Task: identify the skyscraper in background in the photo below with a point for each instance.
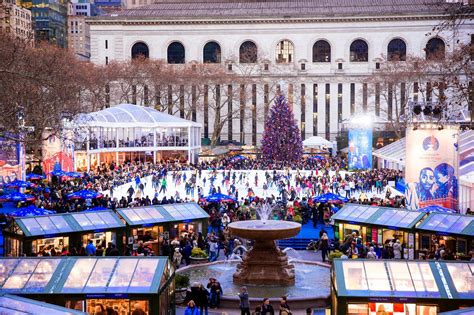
(49, 20)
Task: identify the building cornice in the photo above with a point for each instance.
(111, 20)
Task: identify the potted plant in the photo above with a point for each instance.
(182, 283)
(297, 218)
(198, 256)
(334, 254)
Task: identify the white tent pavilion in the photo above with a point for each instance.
(127, 132)
(317, 142)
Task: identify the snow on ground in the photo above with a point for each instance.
(248, 180)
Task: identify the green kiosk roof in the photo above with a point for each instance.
(162, 213)
(69, 223)
(448, 223)
(400, 278)
(382, 216)
(12, 304)
(84, 275)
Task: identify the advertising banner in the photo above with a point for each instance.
(58, 150)
(431, 168)
(10, 164)
(360, 149)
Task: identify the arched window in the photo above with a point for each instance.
(359, 51)
(212, 53)
(397, 50)
(284, 51)
(140, 50)
(248, 52)
(321, 51)
(176, 53)
(435, 49)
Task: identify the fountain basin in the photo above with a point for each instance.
(264, 230)
(311, 289)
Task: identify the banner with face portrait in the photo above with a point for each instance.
(431, 170)
(10, 163)
(360, 149)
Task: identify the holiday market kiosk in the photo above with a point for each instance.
(93, 284)
(400, 287)
(454, 231)
(33, 235)
(377, 224)
(152, 224)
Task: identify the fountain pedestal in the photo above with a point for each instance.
(265, 263)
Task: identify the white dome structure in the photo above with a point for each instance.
(128, 132)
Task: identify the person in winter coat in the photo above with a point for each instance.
(397, 250)
(324, 246)
(177, 257)
(371, 254)
(267, 308)
(244, 304)
(284, 307)
(191, 309)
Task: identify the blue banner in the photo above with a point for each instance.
(360, 149)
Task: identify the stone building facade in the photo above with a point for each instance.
(315, 51)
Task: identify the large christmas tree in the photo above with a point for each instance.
(281, 138)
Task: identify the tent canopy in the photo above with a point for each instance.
(317, 141)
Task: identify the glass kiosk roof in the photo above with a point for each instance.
(69, 223)
(12, 304)
(448, 223)
(163, 213)
(399, 278)
(83, 275)
(374, 215)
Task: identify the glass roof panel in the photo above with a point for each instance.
(155, 214)
(100, 276)
(6, 266)
(83, 221)
(369, 211)
(422, 277)
(356, 212)
(173, 211)
(354, 275)
(396, 218)
(433, 221)
(462, 276)
(447, 222)
(144, 214)
(386, 215)
(42, 275)
(96, 220)
(409, 218)
(461, 224)
(16, 306)
(109, 219)
(32, 226)
(143, 276)
(400, 276)
(47, 225)
(21, 274)
(346, 211)
(122, 276)
(61, 224)
(79, 274)
(132, 215)
(377, 276)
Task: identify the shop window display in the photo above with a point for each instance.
(121, 306)
(391, 309)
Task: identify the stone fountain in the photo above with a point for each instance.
(265, 263)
